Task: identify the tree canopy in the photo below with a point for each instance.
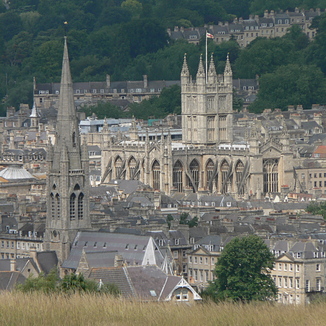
(127, 39)
(71, 283)
(243, 272)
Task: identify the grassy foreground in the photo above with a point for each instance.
(37, 309)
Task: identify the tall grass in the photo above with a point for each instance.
(38, 309)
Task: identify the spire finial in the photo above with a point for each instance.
(185, 69)
(212, 70)
(227, 70)
(65, 24)
(201, 70)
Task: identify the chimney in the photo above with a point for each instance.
(13, 265)
(33, 255)
(108, 81)
(145, 81)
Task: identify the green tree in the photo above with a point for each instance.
(184, 219)
(42, 283)
(142, 36)
(317, 209)
(291, 85)
(19, 48)
(243, 272)
(10, 24)
(169, 218)
(264, 56)
(71, 283)
(297, 36)
(315, 52)
(104, 109)
(133, 6)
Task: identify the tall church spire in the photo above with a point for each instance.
(67, 124)
(68, 175)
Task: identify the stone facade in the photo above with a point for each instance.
(208, 159)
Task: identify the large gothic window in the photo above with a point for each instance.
(118, 167)
(81, 206)
(132, 168)
(194, 171)
(225, 177)
(72, 206)
(58, 204)
(210, 167)
(270, 175)
(238, 177)
(156, 175)
(177, 176)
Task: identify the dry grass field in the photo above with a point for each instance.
(37, 309)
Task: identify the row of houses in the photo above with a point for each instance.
(272, 24)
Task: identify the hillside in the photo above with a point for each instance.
(128, 39)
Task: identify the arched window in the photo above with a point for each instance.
(270, 175)
(132, 167)
(238, 177)
(81, 206)
(177, 176)
(118, 167)
(224, 173)
(52, 205)
(194, 171)
(210, 167)
(72, 206)
(156, 170)
(57, 200)
(77, 187)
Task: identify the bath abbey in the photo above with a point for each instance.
(220, 151)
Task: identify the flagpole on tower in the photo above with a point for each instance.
(206, 66)
(207, 35)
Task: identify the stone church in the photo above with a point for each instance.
(67, 174)
(208, 159)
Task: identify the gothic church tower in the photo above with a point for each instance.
(206, 105)
(67, 175)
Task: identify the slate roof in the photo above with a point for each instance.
(210, 242)
(143, 282)
(114, 275)
(131, 247)
(8, 280)
(101, 259)
(47, 260)
(20, 264)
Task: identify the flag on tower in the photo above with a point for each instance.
(209, 35)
